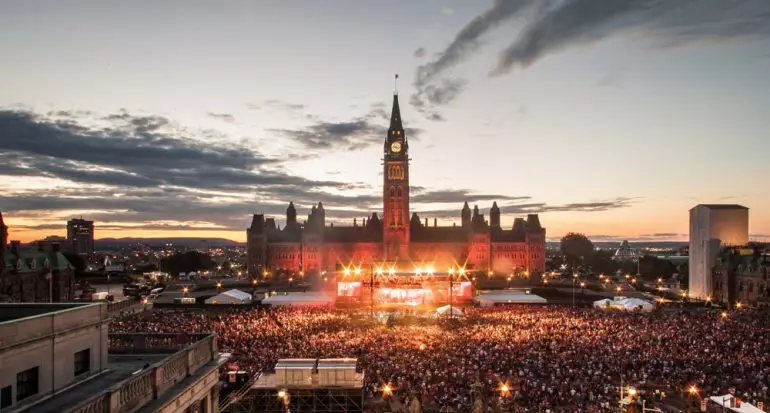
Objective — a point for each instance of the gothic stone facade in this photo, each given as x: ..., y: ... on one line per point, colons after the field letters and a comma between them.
x: 25, y: 274
x: 741, y: 278
x: 395, y: 236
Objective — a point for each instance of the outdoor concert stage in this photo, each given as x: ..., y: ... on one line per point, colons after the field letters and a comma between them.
x: 387, y: 286
x: 305, y: 385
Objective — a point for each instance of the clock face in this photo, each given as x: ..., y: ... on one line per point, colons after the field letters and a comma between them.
x: 395, y: 147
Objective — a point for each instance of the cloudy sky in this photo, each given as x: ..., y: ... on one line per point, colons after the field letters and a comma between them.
x: 182, y: 118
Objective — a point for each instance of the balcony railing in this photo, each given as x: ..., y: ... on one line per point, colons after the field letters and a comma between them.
x: 190, y: 353
x: 128, y: 306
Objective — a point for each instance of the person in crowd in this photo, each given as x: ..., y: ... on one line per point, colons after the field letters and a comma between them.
x: 529, y: 358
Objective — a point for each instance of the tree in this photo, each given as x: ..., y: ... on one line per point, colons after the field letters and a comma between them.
x: 78, y: 262
x: 577, y: 248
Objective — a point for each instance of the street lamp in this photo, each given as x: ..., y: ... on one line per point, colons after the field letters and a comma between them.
x: 185, y: 290
x: 219, y: 286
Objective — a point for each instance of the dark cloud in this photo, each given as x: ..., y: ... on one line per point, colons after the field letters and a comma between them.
x: 357, y: 133
x: 224, y: 117
x: 555, y: 25
x: 350, y: 135
x: 420, y: 52
x: 668, y: 23
x: 146, y: 170
x: 137, y: 152
x: 458, y: 196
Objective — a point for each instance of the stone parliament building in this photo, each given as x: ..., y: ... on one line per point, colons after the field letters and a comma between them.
x: 395, y: 237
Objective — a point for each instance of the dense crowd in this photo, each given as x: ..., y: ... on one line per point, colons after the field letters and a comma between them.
x: 551, y: 358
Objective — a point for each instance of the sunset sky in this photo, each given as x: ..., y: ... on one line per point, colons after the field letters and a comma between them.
x: 182, y: 118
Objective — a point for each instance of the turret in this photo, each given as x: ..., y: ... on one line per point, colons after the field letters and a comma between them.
x: 415, y: 221
x: 256, y: 245
x: 321, y: 215
x: 466, y: 215
x: 533, y: 222
x: 494, y: 216
x: 291, y: 215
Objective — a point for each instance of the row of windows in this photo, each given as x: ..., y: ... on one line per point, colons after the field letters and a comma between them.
x: 396, y: 192
x: 28, y: 381
x: 396, y: 172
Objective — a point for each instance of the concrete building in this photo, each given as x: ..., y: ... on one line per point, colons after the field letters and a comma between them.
x: 81, y: 234
x: 60, y: 358
x: 711, y: 227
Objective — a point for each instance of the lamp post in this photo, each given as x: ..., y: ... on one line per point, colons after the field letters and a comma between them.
x: 371, y: 295
x: 574, y: 280
x: 451, y: 293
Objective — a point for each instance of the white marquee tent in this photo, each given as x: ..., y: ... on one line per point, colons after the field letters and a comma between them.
x: 310, y: 298
x: 727, y: 402
x: 625, y: 304
x: 230, y: 297
x: 490, y: 298
x: 445, y: 311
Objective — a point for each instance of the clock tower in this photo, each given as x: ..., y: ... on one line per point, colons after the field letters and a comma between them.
x: 395, y: 191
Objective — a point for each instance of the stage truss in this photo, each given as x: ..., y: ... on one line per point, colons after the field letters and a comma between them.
x: 300, y: 400
x: 385, y: 285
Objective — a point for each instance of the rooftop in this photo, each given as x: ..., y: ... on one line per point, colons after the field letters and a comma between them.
x: 721, y: 206
x: 17, y: 311
x: 154, y: 367
x: 119, y: 368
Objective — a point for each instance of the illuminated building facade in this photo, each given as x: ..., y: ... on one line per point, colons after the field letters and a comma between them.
x: 396, y: 239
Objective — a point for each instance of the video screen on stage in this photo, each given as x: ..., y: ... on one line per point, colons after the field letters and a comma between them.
x: 349, y: 289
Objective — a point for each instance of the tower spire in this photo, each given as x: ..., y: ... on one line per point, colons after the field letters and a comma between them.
x: 395, y: 84
x: 395, y: 115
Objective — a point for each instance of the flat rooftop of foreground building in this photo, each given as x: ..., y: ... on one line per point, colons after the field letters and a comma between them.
x: 119, y: 369
x: 15, y: 312
x: 145, y: 371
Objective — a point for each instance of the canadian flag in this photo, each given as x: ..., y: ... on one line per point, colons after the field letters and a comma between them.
x: 48, y: 276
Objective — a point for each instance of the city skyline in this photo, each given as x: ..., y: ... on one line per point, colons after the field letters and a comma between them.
x: 182, y: 119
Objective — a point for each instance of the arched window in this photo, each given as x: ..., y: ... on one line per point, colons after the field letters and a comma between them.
x: 392, y: 192
x: 399, y: 192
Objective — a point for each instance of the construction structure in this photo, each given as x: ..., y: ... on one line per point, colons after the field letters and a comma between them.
x: 305, y: 385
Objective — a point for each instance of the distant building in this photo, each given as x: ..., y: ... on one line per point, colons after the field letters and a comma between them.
x: 741, y: 275
x: 711, y: 227
x: 396, y: 237
x: 60, y: 358
x: 625, y: 253
x: 81, y: 234
x: 34, y: 275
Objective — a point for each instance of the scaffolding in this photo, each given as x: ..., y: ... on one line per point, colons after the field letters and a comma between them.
x: 305, y: 386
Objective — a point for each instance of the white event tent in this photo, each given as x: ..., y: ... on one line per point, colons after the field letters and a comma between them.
x: 230, y: 297
x: 726, y: 402
x: 490, y: 298
x: 446, y: 310
x: 625, y: 304
x: 309, y: 298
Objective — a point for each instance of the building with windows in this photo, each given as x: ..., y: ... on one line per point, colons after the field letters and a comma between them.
x: 60, y: 358
x: 38, y: 274
x: 81, y: 234
x: 713, y: 226
x: 741, y: 275
x: 396, y: 236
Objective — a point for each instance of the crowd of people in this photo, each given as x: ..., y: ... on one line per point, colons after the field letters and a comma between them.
x: 529, y: 358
